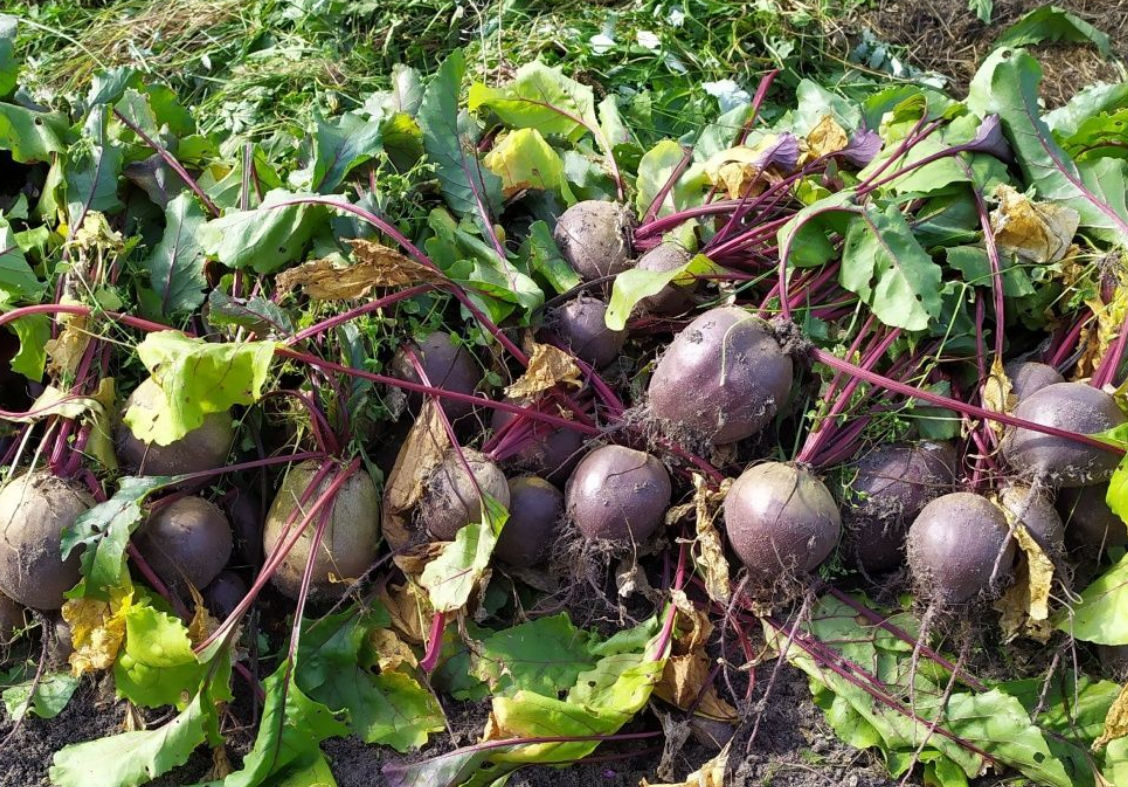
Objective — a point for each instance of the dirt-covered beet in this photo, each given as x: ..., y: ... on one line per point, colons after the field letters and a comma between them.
x: 1036, y: 511
x: 673, y: 298
x: 581, y: 325
x: 224, y: 594
x: 11, y: 619
x: 35, y: 508
x: 723, y: 378
x: 188, y: 541
x: 618, y: 494
x: 204, y: 448
x: 781, y: 520
x: 448, y: 365
x: 535, y: 509
x: 1061, y: 462
x: 348, y: 545
x: 888, y: 488
x: 595, y: 237
x: 244, y: 510
x: 548, y: 452
x: 1090, y: 525
x: 955, y: 544
x: 1028, y: 377
x: 453, y: 498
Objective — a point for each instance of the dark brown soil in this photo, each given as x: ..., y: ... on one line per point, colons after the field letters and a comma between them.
x: 944, y: 36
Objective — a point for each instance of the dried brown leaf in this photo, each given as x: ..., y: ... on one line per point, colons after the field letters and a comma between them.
x: 1040, y: 232
x: 711, y: 774
x: 1025, y: 607
x: 392, y: 651
x: 998, y: 395
x: 375, y: 265
x: 1116, y: 720
x: 420, y: 454
x: 202, y: 625
x: 548, y: 366
x: 826, y: 137
x: 409, y: 610
x: 65, y: 351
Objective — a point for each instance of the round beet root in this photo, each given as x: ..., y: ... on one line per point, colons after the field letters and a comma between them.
x: 723, y: 377
x: 244, y: 509
x: 547, y: 451
x: 448, y: 365
x: 595, y: 237
x: 780, y: 519
x: 1090, y: 525
x: 673, y: 298
x: 34, y: 510
x: 580, y: 324
x: 892, y: 484
x: 1036, y: 511
x: 535, y: 508
x: 1028, y: 377
x: 618, y: 494
x: 348, y: 544
x: 224, y: 594
x: 1074, y: 407
x: 11, y: 619
x: 954, y: 545
x: 187, y: 541
x: 204, y: 448
x: 453, y: 498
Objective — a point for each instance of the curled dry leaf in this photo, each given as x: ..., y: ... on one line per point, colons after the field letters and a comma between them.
x: 1102, y: 332
x: 65, y: 351
x: 708, y: 547
x: 548, y: 367
x: 97, y: 629
x: 422, y: 452
x: 1116, y: 720
x: 202, y: 625
x: 998, y: 393
x: 826, y: 137
x: 392, y: 652
x: 686, y: 673
x: 375, y: 265
x: 711, y: 774
x: 740, y: 171
x: 1040, y: 232
x: 409, y: 610
x: 1025, y: 607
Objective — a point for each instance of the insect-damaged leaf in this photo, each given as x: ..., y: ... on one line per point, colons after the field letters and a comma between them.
x: 197, y: 377
x: 889, y: 270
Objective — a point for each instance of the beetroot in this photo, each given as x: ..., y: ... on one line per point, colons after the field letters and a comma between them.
x: 1090, y: 525
x: 224, y: 594
x: 453, y: 498
x: 892, y: 484
x: 186, y: 542
x: 535, y: 509
x: 1028, y: 377
x: 618, y: 494
x: 1074, y: 407
x: 594, y: 236
x: 1036, y: 511
x: 581, y: 325
x: 204, y: 448
x: 955, y: 544
x: 448, y: 366
x: 348, y: 544
x: 673, y: 298
x: 11, y: 619
x: 723, y: 377
x: 35, y: 509
x: 780, y: 519
x: 548, y: 451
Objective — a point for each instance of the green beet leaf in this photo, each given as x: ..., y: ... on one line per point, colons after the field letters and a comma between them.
x: 31, y: 136
x: 889, y: 270
x: 33, y: 331
x: 1101, y: 616
x: 156, y: 666
x: 197, y: 377
x: 634, y: 285
x: 93, y: 168
x: 45, y: 698
x: 273, y: 235
x: 339, y: 147
x: 655, y: 169
x: 543, y: 258
x: 542, y: 98
x: 451, y: 578
x: 176, y: 264
x: 538, y: 656
x: 18, y: 281
x: 1050, y: 23
x: 259, y: 315
x: 1101, y: 98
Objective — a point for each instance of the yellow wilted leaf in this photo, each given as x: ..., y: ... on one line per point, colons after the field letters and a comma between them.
x: 375, y: 265
x: 708, y: 547
x: 97, y: 629
x: 421, y: 453
x: 998, y: 393
x: 737, y: 170
x: 392, y: 651
x: 711, y: 774
x: 1116, y: 720
x: 202, y: 624
x: 1025, y: 607
x: 65, y: 351
x: 548, y: 366
x: 827, y: 137
x: 1100, y: 335
x: 1041, y: 232
x: 683, y: 681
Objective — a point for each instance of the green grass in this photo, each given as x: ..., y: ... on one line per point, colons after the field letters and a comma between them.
x: 252, y: 68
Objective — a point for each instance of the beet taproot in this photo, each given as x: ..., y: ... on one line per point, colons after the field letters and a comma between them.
x: 1061, y: 462
x: 1029, y: 377
x: 1036, y: 511
x: 673, y: 298
x: 448, y: 365
x: 535, y: 509
x: 595, y: 237
x: 348, y: 544
x: 780, y: 520
x: 618, y: 494
x: 548, y: 451
x: 581, y: 326
x: 188, y: 541
x: 723, y: 378
x: 1090, y: 525
x: 453, y: 497
x: 35, y: 509
x: 954, y: 546
x: 204, y: 448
